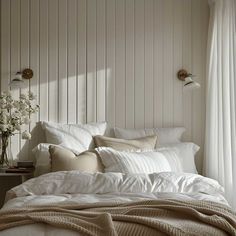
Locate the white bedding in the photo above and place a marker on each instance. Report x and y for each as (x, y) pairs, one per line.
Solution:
(70, 187)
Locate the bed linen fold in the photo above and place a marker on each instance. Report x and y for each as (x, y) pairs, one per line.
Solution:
(73, 182)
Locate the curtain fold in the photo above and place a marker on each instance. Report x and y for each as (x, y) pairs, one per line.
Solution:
(220, 138)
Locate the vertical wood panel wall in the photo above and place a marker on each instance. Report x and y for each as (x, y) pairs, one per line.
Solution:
(113, 60)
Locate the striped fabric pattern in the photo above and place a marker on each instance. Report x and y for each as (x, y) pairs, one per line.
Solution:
(139, 162)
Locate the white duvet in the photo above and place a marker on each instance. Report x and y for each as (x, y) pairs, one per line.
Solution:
(70, 187)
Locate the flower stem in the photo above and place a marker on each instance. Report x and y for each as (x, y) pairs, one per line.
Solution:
(5, 142)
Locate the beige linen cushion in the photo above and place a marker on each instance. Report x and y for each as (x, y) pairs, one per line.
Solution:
(64, 160)
(144, 143)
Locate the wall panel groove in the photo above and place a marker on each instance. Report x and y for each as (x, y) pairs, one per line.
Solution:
(113, 60)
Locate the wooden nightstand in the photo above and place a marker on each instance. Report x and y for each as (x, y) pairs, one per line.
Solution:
(10, 180)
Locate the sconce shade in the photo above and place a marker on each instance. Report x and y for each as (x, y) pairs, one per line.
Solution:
(18, 76)
(188, 80)
(189, 84)
(17, 82)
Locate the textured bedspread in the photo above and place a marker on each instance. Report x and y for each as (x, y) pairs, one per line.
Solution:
(74, 203)
(154, 217)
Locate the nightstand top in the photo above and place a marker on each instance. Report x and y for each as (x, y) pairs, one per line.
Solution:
(15, 174)
(4, 173)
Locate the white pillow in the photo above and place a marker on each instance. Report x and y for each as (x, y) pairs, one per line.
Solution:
(186, 153)
(42, 156)
(164, 135)
(77, 137)
(139, 162)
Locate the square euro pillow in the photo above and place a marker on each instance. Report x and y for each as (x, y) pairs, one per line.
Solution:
(164, 135)
(64, 160)
(139, 162)
(76, 137)
(144, 143)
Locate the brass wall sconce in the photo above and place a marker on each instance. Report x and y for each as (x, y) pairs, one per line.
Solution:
(18, 81)
(183, 75)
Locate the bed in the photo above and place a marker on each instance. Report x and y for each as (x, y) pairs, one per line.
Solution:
(138, 192)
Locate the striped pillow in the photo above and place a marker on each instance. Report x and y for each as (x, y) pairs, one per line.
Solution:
(139, 162)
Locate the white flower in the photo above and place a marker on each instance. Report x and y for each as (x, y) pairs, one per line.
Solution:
(3, 127)
(15, 112)
(32, 96)
(26, 135)
(16, 104)
(24, 113)
(23, 106)
(2, 101)
(18, 127)
(26, 120)
(15, 115)
(11, 128)
(4, 111)
(9, 106)
(4, 118)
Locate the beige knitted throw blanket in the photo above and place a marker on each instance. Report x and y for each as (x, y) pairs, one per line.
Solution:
(153, 217)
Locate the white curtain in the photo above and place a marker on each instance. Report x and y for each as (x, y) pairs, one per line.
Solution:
(220, 142)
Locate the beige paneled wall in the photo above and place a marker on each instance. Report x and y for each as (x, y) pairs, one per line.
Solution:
(113, 60)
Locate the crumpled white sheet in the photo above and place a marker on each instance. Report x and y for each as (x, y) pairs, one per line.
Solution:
(76, 187)
(101, 183)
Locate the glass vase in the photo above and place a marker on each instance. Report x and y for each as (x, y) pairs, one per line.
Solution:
(6, 155)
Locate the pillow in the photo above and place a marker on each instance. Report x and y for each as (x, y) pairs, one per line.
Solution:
(64, 160)
(138, 162)
(42, 156)
(164, 135)
(186, 152)
(77, 137)
(148, 142)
